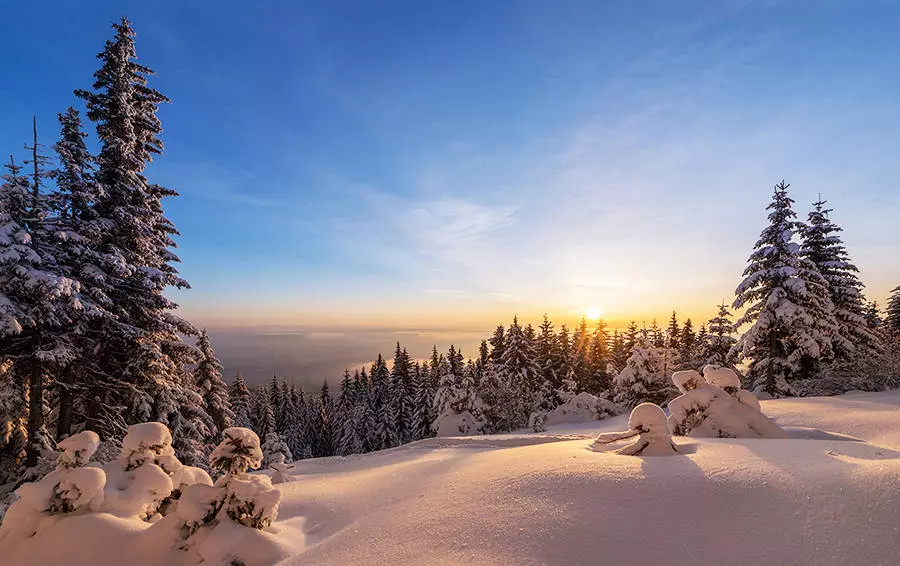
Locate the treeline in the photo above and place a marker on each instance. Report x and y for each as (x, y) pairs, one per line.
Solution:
(517, 373)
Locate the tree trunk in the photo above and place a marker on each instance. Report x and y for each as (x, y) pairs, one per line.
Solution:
(66, 405)
(35, 412)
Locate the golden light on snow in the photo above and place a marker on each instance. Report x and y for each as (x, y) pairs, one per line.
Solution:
(592, 313)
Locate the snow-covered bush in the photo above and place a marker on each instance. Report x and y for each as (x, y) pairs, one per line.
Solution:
(709, 411)
(728, 380)
(648, 422)
(147, 479)
(249, 500)
(275, 447)
(450, 423)
(537, 422)
(687, 380)
(644, 377)
(280, 470)
(68, 489)
(238, 451)
(582, 408)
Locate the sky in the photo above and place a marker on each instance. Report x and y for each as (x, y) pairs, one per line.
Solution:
(353, 169)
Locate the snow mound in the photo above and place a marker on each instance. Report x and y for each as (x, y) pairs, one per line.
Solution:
(581, 408)
(78, 449)
(456, 424)
(687, 380)
(722, 377)
(708, 411)
(648, 422)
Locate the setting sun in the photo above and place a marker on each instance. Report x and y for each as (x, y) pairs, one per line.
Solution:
(592, 313)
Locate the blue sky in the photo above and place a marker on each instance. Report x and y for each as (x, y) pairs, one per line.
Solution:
(450, 163)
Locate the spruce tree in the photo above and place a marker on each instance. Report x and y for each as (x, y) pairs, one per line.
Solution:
(645, 378)
(519, 370)
(824, 248)
(402, 398)
(37, 302)
(788, 311)
(720, 338)
(239, 400)
(74, 215)
(143, 350)
(673, 333)
(208, 379)
(892, 313)
(600, 379)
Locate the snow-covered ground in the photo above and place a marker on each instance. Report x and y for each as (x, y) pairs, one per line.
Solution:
(827, 495)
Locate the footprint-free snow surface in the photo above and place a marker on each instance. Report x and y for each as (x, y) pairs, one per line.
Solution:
(829, 494)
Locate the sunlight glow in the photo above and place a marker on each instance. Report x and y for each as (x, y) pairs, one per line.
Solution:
(592, 313)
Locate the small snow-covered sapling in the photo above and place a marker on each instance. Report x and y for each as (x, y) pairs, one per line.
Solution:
(648, 422)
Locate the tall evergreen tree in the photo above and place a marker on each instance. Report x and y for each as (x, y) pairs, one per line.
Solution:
(790, 316)
(823, 247)
(37, 303)
(143, 349)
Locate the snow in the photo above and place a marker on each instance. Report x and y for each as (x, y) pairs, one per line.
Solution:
(687, 380)
(78, 449)
(721, 377)
(581, 408)
(709, 411)
(818, 497)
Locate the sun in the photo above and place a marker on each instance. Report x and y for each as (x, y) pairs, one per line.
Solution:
(592, 313)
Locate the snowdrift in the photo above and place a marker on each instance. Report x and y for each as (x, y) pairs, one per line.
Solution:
(819, 497)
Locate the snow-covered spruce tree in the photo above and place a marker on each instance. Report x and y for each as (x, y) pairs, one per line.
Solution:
(600, 379)
(37, 302)
(276, 449)
(347, 439)
(823, 247)
(240, 402)
(788, 310)
(673, 332)
(402, 398)
(143, 352)
(424, 397)
(645, 377)
(74, 217)
(547, 357)
(246, 499)
(519, 370)
(208, 379)
(323, 424)
(579, 356)
(720, 338)
(385, 410)
(892, 313)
